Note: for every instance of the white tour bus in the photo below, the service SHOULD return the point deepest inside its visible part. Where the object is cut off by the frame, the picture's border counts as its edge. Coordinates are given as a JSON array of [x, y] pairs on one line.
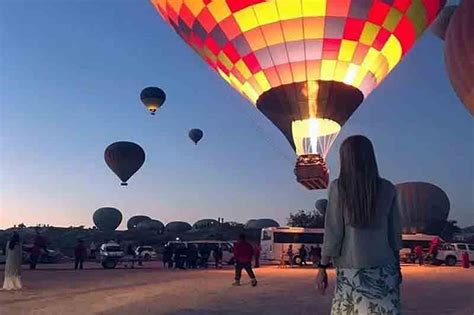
[[276, 240]]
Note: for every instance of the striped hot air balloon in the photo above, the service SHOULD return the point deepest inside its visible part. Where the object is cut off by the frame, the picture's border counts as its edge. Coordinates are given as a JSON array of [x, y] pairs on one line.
[[307, 65]]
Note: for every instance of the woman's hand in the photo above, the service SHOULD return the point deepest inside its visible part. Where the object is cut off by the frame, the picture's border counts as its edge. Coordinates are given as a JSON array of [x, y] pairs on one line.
[[322, 281]]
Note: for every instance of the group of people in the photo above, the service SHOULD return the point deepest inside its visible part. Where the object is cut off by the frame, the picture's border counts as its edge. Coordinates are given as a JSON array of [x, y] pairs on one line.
[[190, 256], [418, 254], [314, 255]]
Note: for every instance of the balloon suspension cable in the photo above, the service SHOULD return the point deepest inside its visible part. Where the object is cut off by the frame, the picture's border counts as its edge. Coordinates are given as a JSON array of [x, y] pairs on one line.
[[263, 133]]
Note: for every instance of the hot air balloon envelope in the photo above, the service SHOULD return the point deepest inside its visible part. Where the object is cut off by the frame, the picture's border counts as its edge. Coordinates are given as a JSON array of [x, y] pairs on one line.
[[107, 219], [124, 159], [133, 222], [153, 98], [195, 135], [261, 223], [459, 53], [306, 64], [424, 207], [178, 227], [205, 224]]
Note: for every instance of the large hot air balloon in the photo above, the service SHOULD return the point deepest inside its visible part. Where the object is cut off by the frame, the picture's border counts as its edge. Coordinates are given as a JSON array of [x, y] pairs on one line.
[[424, 207], [153, 98], [133, 222], [205, 224], [107, 219], [124, 159], [261, 223], [440, 25], [195, 135], [307, 65], [151, 225], [459, 53], [178, 227]]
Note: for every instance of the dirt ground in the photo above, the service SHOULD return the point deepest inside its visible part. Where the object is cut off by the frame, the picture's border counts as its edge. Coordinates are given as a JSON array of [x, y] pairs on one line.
[[56, 289]]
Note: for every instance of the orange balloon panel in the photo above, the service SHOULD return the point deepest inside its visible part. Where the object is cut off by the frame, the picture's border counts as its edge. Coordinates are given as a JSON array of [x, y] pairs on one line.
[[257, 45]]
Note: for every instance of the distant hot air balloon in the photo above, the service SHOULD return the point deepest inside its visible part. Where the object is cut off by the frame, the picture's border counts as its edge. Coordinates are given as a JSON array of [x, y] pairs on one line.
[[205, 224], [440, 25], [195, 135], [153, 98], [178, 227], [107, 219], [307, 65], [124, 159], [321, 205], [261, 223], [151, 225], [133, 222], [424, 207], [459, 53]]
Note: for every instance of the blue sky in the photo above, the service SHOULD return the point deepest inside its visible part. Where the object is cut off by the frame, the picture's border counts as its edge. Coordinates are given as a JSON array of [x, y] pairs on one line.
[[70, 77]]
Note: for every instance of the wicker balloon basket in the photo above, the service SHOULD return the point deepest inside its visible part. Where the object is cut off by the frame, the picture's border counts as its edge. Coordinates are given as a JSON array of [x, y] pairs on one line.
[[311, 171]]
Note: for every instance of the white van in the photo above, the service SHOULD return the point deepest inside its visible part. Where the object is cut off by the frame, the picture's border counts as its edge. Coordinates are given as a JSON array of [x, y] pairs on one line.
[[451, 253], [410, 241]]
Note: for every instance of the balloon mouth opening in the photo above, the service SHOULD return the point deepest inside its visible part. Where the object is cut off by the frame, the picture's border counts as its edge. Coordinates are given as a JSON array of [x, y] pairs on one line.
[[312, 172], [314, 135], [123, 184]]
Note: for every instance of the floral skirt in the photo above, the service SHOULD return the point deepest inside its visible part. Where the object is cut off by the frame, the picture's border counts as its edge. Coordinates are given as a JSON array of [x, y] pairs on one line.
[[367, 291]]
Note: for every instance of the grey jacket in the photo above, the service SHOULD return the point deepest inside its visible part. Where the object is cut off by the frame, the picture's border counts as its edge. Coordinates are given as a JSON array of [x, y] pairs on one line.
[[352, 247]]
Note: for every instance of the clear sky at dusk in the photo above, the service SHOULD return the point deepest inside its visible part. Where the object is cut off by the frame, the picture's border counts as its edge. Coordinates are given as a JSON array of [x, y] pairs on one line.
[[70, 77]]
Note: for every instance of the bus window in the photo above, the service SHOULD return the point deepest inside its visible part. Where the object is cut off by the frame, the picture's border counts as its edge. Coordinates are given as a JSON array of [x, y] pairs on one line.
[[266, 236], [298, 238]]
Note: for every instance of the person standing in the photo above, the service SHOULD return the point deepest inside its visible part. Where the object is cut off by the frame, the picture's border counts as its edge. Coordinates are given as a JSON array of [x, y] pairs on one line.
[[362, 209], [419, 254], [35, 255], [243, 254], [303, 253], [13, 251], [218, 254], [290, 254], [204, 252], [168, 257], [80, 254], [258, 249]]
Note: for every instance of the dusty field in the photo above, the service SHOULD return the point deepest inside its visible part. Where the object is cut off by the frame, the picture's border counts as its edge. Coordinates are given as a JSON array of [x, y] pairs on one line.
[[152, 290]]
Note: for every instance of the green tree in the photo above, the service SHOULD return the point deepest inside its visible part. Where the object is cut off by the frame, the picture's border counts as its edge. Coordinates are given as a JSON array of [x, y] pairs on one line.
[[306, 219]]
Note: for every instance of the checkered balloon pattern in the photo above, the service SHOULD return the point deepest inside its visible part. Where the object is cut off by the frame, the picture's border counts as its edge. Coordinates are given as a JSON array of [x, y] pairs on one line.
[[257, 45]]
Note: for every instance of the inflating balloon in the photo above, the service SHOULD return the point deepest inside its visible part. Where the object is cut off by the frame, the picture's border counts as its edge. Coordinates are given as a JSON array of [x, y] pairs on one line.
[[153, 98], [133, 222], [178, 227], [307, 65], [424, 207], [124, 159], [195, 135], [151, 225], [459, 53], [205, 224], [261, 223], [107, 219]]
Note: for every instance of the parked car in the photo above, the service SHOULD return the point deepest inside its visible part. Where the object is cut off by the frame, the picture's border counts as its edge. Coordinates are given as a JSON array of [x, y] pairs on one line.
[[146, 253], [110, 254], [451, 253]]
